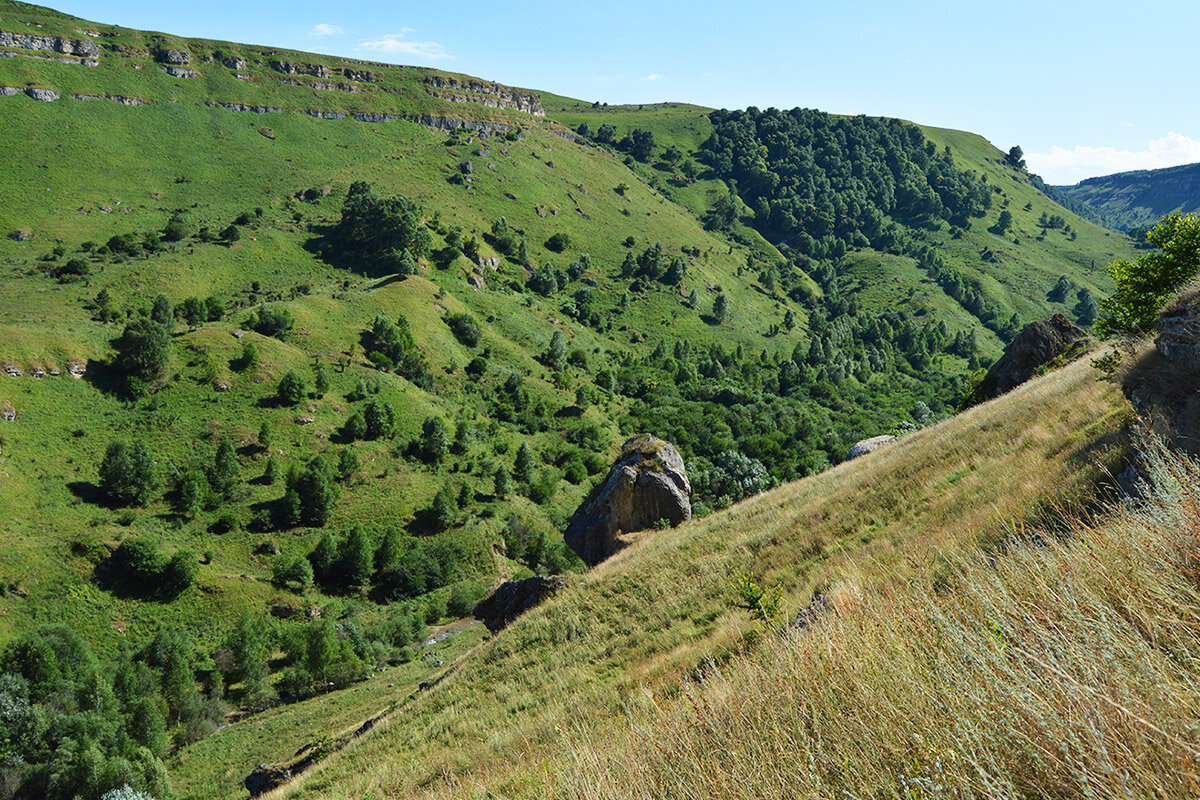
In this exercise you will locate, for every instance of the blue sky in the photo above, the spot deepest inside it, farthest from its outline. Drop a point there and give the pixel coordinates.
(1085, 88)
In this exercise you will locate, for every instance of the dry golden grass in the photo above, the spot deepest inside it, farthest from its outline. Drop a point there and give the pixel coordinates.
(546, 706)
(1067, 669)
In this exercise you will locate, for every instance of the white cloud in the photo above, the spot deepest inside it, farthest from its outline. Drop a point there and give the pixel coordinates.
(325, 29)
(1062, 166)
(654, 76)
(399, 44)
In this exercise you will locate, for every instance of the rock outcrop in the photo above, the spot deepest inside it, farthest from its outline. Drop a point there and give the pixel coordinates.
(179, 58)
(647, 484)
(55, 44)
(869, 445)
(1164, 384)
(1040, 343)
(513, 598)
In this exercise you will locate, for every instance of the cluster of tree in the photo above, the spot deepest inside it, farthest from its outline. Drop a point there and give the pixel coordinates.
(383, 235)
(390, 346)
(72, 726)
(968, 292)
(743, 422)
(823, 184)
(639, 142)
(137, 566)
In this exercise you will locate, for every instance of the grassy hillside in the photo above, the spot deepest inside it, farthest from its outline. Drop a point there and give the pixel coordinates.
(524, 716)
(215, 175)
(1140, 198)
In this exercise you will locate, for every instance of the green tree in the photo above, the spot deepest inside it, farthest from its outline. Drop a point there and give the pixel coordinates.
(320, 378)
(1004, 222)
(127, 474)
(356, 558)
(721, 308)
(1015, 157)
(226, 474)
(143, 349)
(190, 493)
(291, 388)
(347, 464)
(502, 482)
(435, 440)
(443, 508)
(523, 467)
(316, 493)
(1144, 284)
(556, 354)
(194, 312)
(162, 313)
(379, 418)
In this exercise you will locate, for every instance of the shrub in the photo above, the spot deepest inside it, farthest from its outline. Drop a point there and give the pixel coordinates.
(558, 242)
(465, 328)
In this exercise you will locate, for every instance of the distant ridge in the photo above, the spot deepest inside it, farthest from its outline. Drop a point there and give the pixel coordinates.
(1140, 197)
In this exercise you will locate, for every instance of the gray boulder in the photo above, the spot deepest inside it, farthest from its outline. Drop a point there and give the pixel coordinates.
(647, 484)
(1040, 343)
(869, 445)
(513, 598)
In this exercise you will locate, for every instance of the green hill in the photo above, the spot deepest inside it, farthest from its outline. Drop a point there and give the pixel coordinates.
(1140, 198)
(480, 301)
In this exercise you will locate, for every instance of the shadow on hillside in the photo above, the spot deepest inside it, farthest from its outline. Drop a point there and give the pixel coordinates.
(87, 491)
(107, 379)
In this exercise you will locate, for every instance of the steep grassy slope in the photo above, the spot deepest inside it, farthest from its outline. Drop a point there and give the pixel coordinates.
(1140, 198)
(618, 640)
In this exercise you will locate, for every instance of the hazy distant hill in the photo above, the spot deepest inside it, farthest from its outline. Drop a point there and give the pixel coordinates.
(1132, 199)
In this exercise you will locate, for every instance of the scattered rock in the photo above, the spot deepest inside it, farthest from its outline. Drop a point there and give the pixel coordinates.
(267, 132)
(221, 387)
(233, 62)
(514, 598)
(305, 420)
(647, 484)
(181, 72)
(868, 445)
(43, 95)
(1039, 344)
(21, 235)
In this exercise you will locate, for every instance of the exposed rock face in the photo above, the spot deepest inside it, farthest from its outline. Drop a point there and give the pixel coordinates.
(514, 598)
(868, 445)
(181, 72)
(1164, 385)
(56, 44)
(176, 57)
(491, 95)
(647, 484)
(234, 62)
(1040, 343)
(1179, 335)
(44, 95)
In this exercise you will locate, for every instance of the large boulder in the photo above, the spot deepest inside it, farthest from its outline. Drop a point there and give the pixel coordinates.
(513, 598)
(1039, 344)
(647, 484)
(870, 445)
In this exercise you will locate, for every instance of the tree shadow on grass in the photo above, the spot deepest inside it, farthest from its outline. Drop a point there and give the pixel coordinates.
(87, 491)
